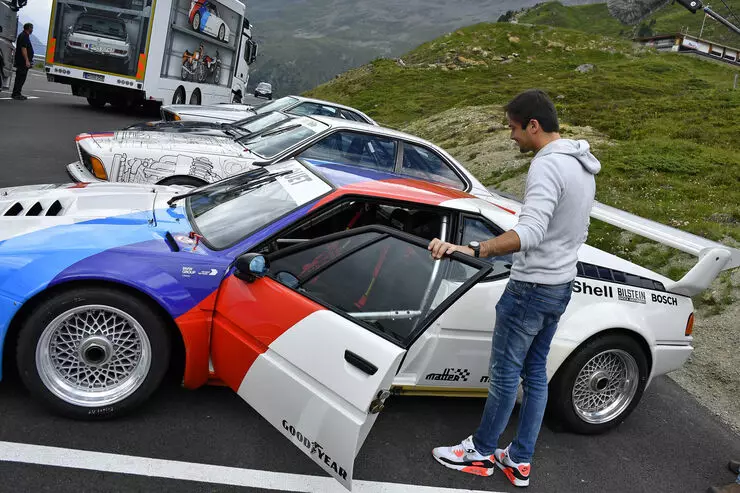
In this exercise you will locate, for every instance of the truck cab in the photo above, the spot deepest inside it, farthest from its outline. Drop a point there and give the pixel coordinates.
(246, 56)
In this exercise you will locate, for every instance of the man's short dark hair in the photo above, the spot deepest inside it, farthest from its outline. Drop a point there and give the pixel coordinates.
(533, 104)
(27, 26)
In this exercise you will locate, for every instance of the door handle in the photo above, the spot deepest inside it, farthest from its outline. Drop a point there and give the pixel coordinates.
(360, 362)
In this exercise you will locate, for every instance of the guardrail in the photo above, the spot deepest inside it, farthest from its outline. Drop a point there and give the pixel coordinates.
(38, 58)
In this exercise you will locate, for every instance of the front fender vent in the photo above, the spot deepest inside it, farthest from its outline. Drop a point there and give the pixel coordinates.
(14, 210)
(35, 209)
(54, 209)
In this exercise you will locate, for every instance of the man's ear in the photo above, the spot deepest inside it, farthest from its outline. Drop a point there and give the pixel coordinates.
(533, 126)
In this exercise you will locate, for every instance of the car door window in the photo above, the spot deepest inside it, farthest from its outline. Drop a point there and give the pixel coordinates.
(424, 164)
(355, 149)
(351, 115)
(314, 109)
(388, 284)
(476, 229)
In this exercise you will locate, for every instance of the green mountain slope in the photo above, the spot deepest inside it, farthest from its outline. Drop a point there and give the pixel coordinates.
(668, 20)
(663, 125)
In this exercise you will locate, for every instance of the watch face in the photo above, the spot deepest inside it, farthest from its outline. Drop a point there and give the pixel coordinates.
(474, 244)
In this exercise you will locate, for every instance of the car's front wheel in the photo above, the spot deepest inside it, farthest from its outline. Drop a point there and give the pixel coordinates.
(599, 385)
(91, 353)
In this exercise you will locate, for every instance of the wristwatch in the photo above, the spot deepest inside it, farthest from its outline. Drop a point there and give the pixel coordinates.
(475, 246)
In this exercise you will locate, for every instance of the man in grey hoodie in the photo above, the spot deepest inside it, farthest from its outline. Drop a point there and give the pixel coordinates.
(553, 224)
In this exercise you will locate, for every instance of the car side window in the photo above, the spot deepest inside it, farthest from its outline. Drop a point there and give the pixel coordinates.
(386, 283)
(355, 149)
(308, 108)
(354, 213)
(351, 115)
(420, 162)
(476, 229)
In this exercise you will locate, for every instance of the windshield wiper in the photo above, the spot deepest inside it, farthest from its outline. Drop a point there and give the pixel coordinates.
(251, 185)
(253, 174)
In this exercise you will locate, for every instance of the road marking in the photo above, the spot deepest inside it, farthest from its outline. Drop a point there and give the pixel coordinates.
(205, 473)
(54, 92)
(37, 74)
(27, 97)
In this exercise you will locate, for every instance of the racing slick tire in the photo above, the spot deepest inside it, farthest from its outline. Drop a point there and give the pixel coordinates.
(90, 353)
(196, 22)
(599, 385)
(186, 181)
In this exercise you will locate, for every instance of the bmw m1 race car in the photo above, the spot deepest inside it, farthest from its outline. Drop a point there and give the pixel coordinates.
(174, 158)
(204, 18)
(306, 286)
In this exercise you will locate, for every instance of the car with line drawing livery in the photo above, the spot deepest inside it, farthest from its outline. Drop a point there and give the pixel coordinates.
(306, 286)
(196, 158)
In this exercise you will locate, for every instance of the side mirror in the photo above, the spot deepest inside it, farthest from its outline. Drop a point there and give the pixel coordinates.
(251, 266)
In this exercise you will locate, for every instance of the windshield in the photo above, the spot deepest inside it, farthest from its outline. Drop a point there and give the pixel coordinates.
(100, 25)
(238, 207)
(269, 144)
(257, 123)
(277, 105)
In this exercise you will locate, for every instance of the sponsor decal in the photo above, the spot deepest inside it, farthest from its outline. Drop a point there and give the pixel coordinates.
(450, 375)
(584, 288)
(622, 294)
(631, 295)
(188, 271)
(485, 379)
(662, 298)
(314, 448)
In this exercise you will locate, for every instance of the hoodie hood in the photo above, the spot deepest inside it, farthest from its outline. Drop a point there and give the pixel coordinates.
(579, 149)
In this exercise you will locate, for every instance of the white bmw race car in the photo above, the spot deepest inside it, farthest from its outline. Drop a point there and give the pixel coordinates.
(306, 286)
(174, 158)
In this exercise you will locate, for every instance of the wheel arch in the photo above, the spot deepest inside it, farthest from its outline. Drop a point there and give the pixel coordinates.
(177, 363)
(562, 357)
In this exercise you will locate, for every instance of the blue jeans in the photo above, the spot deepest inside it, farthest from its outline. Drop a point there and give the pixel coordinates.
(526, 319)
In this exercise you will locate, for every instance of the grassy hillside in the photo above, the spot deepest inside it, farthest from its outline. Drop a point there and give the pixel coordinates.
(670, 19)
(663, 125)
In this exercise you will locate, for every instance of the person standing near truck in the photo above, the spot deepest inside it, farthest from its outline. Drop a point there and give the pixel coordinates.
(23, 60)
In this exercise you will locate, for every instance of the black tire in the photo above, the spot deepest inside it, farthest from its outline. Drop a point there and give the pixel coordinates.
(187, 181)
(179, 96)
(222, 32)
(36, 324)
(195, 98)
(96, 101)
(217, 74)
(560, 400)
(237, 97)
(196, 22)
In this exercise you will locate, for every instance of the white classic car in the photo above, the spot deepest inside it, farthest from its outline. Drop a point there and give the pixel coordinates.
(97, 41)
(231, 112)
(306, 287)
(171, 158)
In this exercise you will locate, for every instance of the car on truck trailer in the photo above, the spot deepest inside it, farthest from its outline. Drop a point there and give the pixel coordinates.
(129, 52)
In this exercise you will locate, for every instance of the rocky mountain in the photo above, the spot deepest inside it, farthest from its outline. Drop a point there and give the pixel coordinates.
(306, 42)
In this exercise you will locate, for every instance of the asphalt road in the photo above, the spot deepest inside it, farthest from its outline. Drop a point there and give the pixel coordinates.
(669, 444)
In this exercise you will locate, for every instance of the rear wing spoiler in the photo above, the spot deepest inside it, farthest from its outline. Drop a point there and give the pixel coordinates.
(713, 257)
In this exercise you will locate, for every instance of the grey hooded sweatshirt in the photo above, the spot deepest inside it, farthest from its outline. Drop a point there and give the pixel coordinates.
(553, 223)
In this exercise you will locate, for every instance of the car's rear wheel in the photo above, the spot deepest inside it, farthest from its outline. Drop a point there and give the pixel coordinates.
(196, 21)
(91, 353)
(599, 385)
(221, 32)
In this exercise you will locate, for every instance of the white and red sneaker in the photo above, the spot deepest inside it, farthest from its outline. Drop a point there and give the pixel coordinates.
(517, 472)
(463, 457)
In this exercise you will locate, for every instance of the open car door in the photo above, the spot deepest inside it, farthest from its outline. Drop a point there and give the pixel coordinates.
(313, 336)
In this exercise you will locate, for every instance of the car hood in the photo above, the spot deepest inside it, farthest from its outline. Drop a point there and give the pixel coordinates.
(221, 113)
(144, 141)
(30, 208)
